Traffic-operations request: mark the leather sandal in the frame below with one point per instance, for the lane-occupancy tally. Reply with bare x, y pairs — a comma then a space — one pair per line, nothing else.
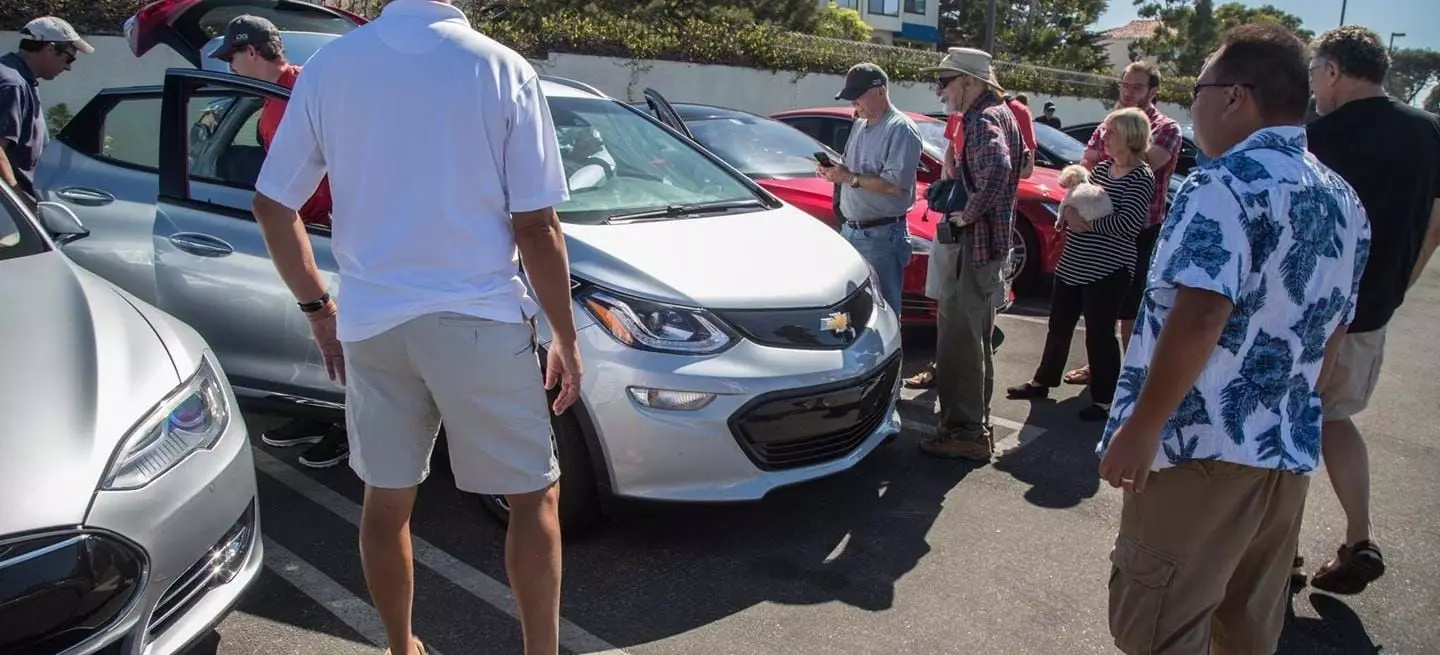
925, 379
418, 646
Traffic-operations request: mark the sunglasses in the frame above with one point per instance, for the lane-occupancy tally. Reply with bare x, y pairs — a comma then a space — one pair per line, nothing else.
68, 52
1199, 87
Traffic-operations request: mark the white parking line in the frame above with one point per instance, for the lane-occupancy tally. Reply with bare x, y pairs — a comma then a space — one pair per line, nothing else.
1038, 320
1024, 434
484, 587
331, 595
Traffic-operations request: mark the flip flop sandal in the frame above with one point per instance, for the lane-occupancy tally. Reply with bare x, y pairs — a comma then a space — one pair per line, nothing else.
1359, 565
1078, 376
418, 646
925, 379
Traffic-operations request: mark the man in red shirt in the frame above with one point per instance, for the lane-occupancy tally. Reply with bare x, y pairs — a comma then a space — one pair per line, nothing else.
253, 48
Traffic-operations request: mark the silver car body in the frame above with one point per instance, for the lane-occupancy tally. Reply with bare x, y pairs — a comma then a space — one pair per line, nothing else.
88, 368
211, 269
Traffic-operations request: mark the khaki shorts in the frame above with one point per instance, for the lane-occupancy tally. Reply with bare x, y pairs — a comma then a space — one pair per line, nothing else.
481, 377
1204, 555
1354, 375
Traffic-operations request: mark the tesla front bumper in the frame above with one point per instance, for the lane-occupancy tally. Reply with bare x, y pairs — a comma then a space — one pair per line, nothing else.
774, 417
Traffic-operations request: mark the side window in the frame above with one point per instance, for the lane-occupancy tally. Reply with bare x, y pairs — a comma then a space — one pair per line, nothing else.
842, 135
224, 139
130, 133
817, 128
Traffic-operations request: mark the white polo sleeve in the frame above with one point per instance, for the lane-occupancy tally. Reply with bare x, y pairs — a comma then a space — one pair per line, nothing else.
534, 173
295, 163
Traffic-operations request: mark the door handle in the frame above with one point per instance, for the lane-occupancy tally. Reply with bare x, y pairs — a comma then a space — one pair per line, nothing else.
202, 245
85, 196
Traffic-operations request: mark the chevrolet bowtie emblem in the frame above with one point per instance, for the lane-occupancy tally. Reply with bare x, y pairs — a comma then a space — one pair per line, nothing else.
838, 322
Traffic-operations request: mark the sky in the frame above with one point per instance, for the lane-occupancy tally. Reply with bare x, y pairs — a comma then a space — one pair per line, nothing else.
1418, 19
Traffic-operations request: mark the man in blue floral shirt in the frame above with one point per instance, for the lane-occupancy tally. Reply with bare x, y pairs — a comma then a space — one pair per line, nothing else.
1216, 422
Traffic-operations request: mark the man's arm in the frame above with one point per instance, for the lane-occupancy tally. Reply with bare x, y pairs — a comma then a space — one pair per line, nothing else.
1192, 330
1432, 239
541, 243
289, 247
1094, 148
1164, 146
988, 153
10, 122
6, 172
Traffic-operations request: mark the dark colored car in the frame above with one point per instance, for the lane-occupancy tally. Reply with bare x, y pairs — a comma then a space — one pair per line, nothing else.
1183, 163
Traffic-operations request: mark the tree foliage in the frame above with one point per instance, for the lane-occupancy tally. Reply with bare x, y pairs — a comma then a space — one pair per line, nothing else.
838, 22
1411, 70
1053, 33
1190, 30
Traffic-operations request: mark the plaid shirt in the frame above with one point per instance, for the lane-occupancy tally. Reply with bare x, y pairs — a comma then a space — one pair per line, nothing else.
1164, 132
992, 154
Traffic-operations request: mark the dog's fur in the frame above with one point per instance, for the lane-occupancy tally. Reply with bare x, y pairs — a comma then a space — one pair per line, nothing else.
1088, 198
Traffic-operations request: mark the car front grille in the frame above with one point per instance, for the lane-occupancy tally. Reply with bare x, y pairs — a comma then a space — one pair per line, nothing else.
803, 427
217, 566
63, 589
818, 328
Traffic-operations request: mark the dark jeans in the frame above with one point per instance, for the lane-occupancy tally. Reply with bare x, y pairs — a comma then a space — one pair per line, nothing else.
1099, 302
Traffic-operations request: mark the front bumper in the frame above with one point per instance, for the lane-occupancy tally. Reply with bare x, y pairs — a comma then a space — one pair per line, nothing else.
199, 527
703, 455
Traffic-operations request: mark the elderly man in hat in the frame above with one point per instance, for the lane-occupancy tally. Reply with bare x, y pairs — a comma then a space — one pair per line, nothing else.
974, 254
877, 180
48, 47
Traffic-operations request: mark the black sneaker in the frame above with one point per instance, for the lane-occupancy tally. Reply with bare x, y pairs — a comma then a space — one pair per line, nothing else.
331, 450
295, 433
1095, 412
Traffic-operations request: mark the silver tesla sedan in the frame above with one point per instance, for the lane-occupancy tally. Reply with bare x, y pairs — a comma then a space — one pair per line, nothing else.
128, 521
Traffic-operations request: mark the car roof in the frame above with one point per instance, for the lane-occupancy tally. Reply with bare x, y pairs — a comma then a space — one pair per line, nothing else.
690, 111
846, 112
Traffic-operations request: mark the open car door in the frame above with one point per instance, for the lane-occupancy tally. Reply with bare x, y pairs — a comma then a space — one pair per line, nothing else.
188, 25
663, 110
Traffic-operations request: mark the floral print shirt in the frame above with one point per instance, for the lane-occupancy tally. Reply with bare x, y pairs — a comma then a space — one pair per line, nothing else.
1285, 239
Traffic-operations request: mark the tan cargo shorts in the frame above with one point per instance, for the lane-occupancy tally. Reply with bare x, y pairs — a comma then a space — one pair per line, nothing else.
1354, 375
1204, 555
481, 377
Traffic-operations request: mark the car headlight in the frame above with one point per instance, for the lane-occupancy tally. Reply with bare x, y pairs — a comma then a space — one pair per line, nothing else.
1052, 207
875, 287
656, 326
921, 246
190, 418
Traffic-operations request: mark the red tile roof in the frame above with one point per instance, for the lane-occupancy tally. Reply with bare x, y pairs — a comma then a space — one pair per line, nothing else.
1135, 29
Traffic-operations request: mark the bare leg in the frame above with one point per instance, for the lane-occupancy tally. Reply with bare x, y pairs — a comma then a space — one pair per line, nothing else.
1348, 462
386, 556
532, 559
1126, 327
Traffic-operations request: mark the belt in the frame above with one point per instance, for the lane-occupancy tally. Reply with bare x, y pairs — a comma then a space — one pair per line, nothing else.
876, 222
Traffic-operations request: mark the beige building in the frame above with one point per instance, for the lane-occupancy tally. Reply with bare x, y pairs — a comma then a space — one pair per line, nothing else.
1117, 41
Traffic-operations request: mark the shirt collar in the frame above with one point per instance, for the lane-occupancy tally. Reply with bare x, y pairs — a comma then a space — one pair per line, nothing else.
985, 101
1288, 139
439, 11
17, 62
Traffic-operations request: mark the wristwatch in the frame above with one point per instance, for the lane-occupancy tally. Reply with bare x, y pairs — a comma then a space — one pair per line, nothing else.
315, 305
854, 180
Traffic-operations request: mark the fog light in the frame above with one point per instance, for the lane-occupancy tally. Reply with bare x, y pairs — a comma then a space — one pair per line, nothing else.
680, 401
228, 556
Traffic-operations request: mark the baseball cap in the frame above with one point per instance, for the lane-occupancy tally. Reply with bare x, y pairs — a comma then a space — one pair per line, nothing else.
245, 30
862, 78
1049, 105
54, 30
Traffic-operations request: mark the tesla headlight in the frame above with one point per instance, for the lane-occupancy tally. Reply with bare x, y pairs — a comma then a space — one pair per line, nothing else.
656, 326
190, 418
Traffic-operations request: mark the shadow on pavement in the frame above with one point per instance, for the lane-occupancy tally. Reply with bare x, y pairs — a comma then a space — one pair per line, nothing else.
1338, 630
1060, 466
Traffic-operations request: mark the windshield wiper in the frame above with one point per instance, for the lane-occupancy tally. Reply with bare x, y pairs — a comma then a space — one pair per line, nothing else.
676, 211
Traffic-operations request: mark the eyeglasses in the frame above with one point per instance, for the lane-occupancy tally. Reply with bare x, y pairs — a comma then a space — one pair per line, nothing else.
1199, 87
69, 53
943, 82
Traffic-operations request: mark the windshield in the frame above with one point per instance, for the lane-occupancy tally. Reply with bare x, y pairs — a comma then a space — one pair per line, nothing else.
617, 162
1059, 144
17, 236
759, 147
933, 134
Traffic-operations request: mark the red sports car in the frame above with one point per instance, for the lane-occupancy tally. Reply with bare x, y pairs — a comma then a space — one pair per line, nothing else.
1037, 242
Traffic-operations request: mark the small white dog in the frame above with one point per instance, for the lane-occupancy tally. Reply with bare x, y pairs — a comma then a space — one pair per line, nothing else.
1088, 198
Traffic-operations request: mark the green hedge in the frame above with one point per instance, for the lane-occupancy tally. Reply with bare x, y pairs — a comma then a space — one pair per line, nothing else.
748, 45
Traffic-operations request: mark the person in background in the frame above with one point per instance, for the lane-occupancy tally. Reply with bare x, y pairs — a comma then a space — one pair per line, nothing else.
1021, 108
1139, 85
252, 48
972, 284
1215, 428
1049, 117
1096, 265
1358, 134
48, 47
418, 118
877, 178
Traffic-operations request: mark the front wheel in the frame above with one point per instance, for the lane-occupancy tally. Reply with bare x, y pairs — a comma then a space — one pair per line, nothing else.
1023, 271
579, 495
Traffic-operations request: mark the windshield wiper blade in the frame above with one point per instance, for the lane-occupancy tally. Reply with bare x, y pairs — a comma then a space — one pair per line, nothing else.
676, 211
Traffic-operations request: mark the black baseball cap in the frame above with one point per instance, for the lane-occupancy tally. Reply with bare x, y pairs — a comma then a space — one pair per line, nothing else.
245, 30
862, 78
1049, 105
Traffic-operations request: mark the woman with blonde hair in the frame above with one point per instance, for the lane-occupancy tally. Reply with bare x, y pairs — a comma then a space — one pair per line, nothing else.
1096, 266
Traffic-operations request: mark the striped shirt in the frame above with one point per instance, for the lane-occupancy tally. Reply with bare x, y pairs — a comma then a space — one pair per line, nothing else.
1110, 245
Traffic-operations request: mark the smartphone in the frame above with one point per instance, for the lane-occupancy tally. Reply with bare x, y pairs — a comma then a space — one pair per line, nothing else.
824, 159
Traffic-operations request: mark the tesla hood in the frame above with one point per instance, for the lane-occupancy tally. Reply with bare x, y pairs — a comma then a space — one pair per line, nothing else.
81, 366
770, 259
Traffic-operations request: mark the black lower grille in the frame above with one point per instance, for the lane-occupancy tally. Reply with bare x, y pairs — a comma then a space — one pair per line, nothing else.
803, 427
218, 565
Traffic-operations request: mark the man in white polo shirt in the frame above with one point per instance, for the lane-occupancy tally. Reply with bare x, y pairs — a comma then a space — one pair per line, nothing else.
444, 168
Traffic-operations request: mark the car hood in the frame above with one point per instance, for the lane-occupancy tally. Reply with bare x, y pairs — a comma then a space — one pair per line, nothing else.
81, 367
818, 188
770, 259
1043, 184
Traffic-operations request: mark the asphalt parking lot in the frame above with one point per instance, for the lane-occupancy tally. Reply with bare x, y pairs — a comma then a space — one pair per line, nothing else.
902, 554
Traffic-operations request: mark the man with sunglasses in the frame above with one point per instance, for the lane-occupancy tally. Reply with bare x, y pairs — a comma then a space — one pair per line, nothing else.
48, 47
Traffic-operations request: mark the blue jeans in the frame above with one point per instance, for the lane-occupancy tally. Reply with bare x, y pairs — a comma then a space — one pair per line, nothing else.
888, 249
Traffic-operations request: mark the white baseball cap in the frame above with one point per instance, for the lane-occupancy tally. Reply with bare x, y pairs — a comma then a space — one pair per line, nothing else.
54, 30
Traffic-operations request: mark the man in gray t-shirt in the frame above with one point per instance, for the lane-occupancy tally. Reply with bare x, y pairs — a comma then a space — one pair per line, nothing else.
877, 179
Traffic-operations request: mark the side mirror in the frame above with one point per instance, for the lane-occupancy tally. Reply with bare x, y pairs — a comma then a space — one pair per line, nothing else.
62, 223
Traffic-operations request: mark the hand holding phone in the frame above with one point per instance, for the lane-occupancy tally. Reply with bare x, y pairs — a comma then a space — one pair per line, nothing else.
824, 159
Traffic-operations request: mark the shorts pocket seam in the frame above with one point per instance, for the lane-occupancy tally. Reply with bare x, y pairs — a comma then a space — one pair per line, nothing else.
1140, 584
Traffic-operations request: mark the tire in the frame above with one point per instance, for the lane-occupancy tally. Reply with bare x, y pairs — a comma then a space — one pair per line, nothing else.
1024, 275
579, 496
